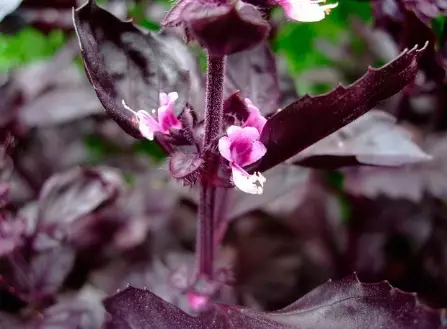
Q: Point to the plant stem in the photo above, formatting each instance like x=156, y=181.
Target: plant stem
x=213, y=126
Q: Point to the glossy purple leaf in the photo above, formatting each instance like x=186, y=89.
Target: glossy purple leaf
x=373, y=139
x=345, y=304
x=68, y=196
x=124, y=63
x=253, y=73
x=310, y=119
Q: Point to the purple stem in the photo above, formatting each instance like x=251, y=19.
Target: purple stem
x=213, y=126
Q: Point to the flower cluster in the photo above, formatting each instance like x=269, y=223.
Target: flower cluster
x=241, y=147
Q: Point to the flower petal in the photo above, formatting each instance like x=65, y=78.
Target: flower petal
x=236, y=133
x=258, y=150
x=163, y=99
x=147, y=124
x=306, y=10
x=224, y=148
x=251, y=184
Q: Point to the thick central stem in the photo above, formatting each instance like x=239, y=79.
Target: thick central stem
x=213, y=126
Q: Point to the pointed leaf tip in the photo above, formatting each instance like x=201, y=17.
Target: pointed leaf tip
x=312, y=118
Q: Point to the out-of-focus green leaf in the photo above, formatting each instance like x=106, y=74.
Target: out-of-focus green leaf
x=26, y=46
x=137, y=12
x=150, y=149
x=439, y=24
x=297, y=41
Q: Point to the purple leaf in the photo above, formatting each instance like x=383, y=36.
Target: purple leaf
x=124, y=63
x=280, y=180
x=71, y=98
x=41, y=275
x=310, y=119
x=253, y=73
x=75, y=312
x=373, y=139
x=184, y=166
x=68, y=196
x=346, y=304
x=409, y=182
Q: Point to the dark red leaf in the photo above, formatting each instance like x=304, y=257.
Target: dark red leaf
x=310, y=119
x=345, y=304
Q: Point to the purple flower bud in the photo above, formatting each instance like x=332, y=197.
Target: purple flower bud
x=222, y=27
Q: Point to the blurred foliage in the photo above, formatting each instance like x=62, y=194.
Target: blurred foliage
x=297, y=41
x=439, y=25
x=27, y=45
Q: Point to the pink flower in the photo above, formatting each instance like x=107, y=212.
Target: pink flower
x=149, y=125
x=306, y=10
x=255, y=119
x=241, y=147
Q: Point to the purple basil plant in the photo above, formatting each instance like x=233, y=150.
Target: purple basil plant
x=226, y=136
x=235, y=140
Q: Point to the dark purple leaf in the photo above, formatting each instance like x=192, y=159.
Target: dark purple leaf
x=310, y=119
x=73, y=312
x=10, y=321
x=68, y=196
x=253, y=73
x=71, y=98
x=280, y=180
x=124, y=63
x=343, y=304
x=373, y=139
x=222, y=27
x=409, y=182
x=184, y=166
x=42, y=274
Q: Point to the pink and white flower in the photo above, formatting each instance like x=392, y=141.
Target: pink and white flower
x=166, y=119
x=306, y=10
x=241, y=147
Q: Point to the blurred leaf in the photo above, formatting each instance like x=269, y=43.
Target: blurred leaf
x=27, y=45
x=439, y=24
x=150, y=149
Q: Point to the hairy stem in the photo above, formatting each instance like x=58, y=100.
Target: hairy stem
x=213, y=124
